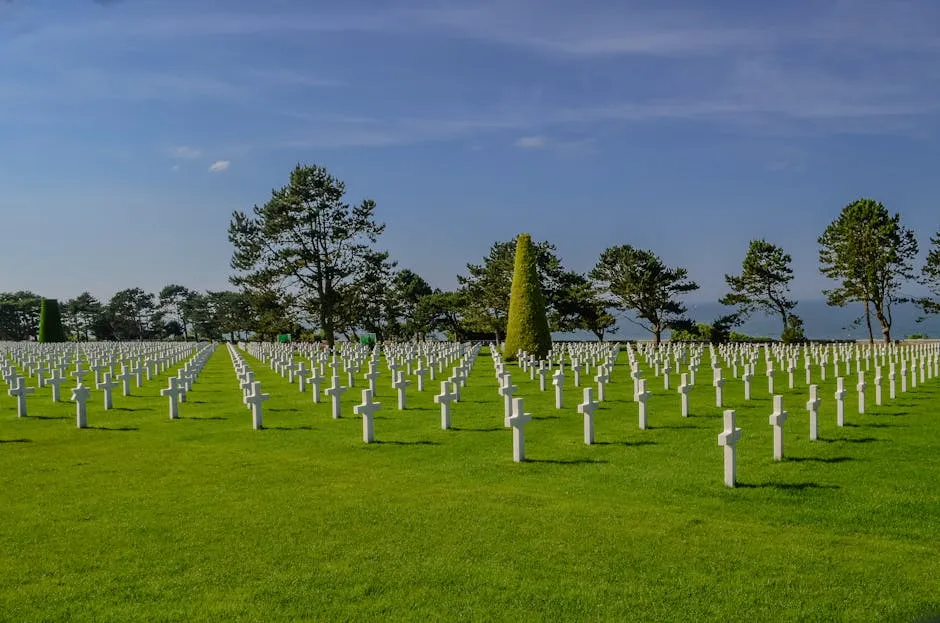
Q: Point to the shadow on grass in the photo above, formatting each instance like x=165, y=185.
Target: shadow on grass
x=116, y=428
x=818, y=459
x=16, y=440
x=406, y=443
x=856, y=440
x=786, y=486
x=479, y=430
x=546, y=417
x=885, y=425
x=282, y=427
x=676, y=427
x=567, y=461
x=629, y=444
x=216, y=417
x=49, y=417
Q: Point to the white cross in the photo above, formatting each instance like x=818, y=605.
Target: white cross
x=401, y=384
x=518, y=421
x=729, y=438
x=301, y=376
x=507, y=390
x=366, y=410
x=777, y=419
x=420, y=371
x=684, y=389
x=256, y=399
x=558, y=380
x=106, y=386
x=315, y=379
x=812, y=406
x=601, y=379
x=860, y=388
x=444, y=399
x=642, y=397
x=173, y=392
x=80, y=395
x=335, y=392
x=20, y=392
x=55, y=381
x=840, y=401
x=588, y=407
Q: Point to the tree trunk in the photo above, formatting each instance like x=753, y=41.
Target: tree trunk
x=885, y=325
x=871, y=335
x=657, y=336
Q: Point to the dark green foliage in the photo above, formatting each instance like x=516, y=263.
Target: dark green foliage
x=306, y=248
x=50, y=322
x=639, y=281
x=793, y=333
x=930, y=277
x=870, y=254
x=578, y=305
x=527, y=328
x=486, y=290
x=764, y=283
x=19, y=315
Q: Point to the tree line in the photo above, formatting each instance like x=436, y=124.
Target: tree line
x=314, y=258
x=307, y=263
x=176, y=312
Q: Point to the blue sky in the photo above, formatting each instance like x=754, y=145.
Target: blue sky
x=130, y=130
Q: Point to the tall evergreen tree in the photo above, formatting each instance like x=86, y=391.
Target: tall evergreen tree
x=527, y=326
x=50, y=322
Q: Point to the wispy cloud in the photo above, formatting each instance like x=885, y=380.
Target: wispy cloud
x=219, y=166
x=532, y=142
x=184, y=151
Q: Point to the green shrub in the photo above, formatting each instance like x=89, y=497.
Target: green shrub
x=527, y=326
x=50, y=322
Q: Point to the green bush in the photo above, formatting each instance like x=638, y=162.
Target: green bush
x=50, y=322
x=527, y=326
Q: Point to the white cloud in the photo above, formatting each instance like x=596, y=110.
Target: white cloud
x=219, y=165
x=186, y=152
x=175, y=167
x=532, y=142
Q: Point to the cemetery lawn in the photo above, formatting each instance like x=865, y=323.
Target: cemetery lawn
x=145, y=519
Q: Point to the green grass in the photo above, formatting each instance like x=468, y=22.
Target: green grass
x=147, y=519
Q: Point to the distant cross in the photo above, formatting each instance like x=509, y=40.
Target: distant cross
x=20, y=392
x=642, y=397
x=335, y=392
x=107, y=385
x=401, y=384
x=812, y=405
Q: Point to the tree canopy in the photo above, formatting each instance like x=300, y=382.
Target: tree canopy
x=870, y=254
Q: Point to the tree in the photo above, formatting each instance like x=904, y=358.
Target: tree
x=930, y=277
x=19, y=315
x=527, y=328
x=84, y=309
x=764, y=283
x=579, y=305
x=640, y=282
x=50, y=322
x=408, y=289
x=307, y=240
x=131, y=313
x=870, y=254
x=172, y=299
x=443, y=311
x=486, y=289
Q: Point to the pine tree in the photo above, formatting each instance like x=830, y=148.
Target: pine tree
x=527, y=325
x=50, y=322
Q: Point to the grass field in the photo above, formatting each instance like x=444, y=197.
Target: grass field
x=146, y=519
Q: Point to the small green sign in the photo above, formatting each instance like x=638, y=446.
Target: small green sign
x=283, y=338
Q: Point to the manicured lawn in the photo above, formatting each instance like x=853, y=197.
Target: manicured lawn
x=147, y=519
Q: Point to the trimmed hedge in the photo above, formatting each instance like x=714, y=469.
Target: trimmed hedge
x=50, y=322
x=527, y=326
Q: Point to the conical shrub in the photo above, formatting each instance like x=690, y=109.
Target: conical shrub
x=527, y=325
x=50, y=322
